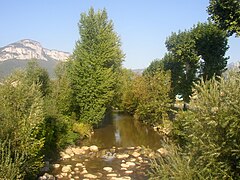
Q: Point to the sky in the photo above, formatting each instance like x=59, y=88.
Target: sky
x=143, y=25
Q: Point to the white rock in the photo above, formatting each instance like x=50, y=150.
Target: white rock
x=64, y=174
x=76, y=169
x=64, y=155
x=122, y=156
x=112, y=175
x=85, y=148
x=129, y=172
x=91, y=176
x=130, y=148
x=162, y=151
x=56, y=166
x=130, y=163
x=124, y=165
x=93, y=148
x=84, y=172
x=78, y=151
x=59, y=176
x=79, y=165
x=108, y=169
x=136, y=154
x=68, y=151
x=66, y=169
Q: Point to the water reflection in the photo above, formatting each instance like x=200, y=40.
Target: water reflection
x=122, y=130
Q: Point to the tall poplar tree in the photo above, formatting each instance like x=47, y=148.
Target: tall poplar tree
x=94, y=66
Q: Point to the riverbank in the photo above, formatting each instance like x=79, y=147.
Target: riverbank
x=92, y=162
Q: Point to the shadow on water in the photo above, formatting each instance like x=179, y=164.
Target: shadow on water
x=122, y=130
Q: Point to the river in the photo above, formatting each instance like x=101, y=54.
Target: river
x=123, y=130
x=125, y=147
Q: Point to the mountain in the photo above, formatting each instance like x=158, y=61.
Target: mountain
x=234, y=65
x=17, y=55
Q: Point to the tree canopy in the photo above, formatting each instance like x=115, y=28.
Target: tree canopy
x=226, y=14
x=94, y=66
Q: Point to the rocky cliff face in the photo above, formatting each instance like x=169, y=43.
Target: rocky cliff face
x=29, y=49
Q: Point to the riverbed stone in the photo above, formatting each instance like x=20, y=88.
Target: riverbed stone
x=129, y=172
x=78, y=151
x=135, y=154
x=131, y=148
x=93, y=148
x=66, y=169
x=108, y=169
x=64, y=174
x=121, y=178
x=91, y=176
x=65, y=156
x=46, y=176
x=79, y=165
x=69, y=151
x=112, y=175
x=130, y=163
x=124, y=165
x=133, y=159
x=76, y=169
x=85, y=148
x=59, y=176
x=122, y=156
x=162, y=151
x=56, y=166
x=84, y=171
x=123, y=168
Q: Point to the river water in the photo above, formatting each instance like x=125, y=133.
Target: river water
x=119, y=135
x=123, y=130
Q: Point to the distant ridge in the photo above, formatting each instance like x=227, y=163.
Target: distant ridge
x=17, y=55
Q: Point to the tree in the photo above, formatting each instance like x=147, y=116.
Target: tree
x=183, y=49
x=153, y=97
x=94, y=66
x=226, y=14
x=211, y=45
x=198, y=52
x=38, y=75
x=168, y=63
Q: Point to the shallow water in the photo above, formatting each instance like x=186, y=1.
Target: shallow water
x=120, y=134
x=122, y=130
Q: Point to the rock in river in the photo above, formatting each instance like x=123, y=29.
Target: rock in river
x=93, y=148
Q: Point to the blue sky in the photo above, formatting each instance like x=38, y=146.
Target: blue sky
x=142, y=25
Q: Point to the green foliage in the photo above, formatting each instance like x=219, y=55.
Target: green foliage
x=94, y=67
x=154, y=101
x=127, y=100
x=210, y=129
x=10, y=162
x=183, y=49
x=147, y=97
x=196, y=53
x=21, y=115
x=84, y=130
x=211, y=45
x=226, y=14
x=174, y=165
x=36, y=74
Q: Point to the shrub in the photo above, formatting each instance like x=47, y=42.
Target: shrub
x=10, y=162
x=174, y=165
x=21, y=116
x=210, y=129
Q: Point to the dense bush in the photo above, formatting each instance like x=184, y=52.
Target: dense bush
x=21, y=116
x=209, y=131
